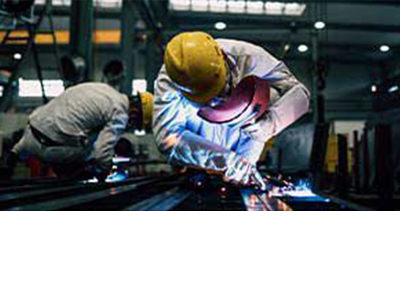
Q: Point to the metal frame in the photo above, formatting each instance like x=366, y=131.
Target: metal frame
x=81, y=33
x=127, y=44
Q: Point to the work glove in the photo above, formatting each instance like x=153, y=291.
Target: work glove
x=282, y=113
x=95, y=170
x=241, y=172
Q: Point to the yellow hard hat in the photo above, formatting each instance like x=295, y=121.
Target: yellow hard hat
x=147, y=102
x=195, y=62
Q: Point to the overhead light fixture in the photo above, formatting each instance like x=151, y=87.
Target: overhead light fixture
x=374, y=88
x=277, y=8
x=302, y=48
x=180, y=4
x=218, y=6
x=255, y=7
x=237, y=7
x=384, y=48
x=286, y=47
x=319, y=25
x=293, y=9
x=393, y=89
x=17, y=56
x=220, y=25
x=199, y=5
x=274, y=8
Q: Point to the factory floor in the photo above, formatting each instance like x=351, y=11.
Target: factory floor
x=170, y=192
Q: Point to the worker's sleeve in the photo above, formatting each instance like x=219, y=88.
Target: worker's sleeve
x=103, y=148
x=286, y=106
x=175, y=141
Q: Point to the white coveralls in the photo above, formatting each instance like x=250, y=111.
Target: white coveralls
x=69, y=119
x=187, y=139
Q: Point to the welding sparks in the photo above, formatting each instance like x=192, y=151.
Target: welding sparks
x=295, y=190
x=299, y=193
x=116, y=177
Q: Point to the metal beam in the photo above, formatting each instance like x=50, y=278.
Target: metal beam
x=314, y=90
x=189, y=20
x=151, y=60
x=81, y=33
x=127, y=44
x=147, y=14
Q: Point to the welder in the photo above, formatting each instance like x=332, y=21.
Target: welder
x=217, y=101
x=76, y=132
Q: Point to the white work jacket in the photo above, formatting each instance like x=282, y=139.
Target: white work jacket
x=187, y=139
x=83, y=110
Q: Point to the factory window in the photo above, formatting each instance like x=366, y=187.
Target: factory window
x=181, y=4
x=98, y=3
x=54, y=2
x=138, y=86
x=239, y=7
x=32, y=88
x=108, y=3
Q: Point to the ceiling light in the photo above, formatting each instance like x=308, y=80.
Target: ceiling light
x=286, y=47
x=302, y=48
x=294, y=9
x=319, y=25
x=255, y=7
x=393, y=89
x=374, y=88
x=277, y=8
x=218, y=6
x=220, y=25
x=274, y=8
x=237, y=7
x=199, y=5
x=180, y=4
x=17, y=56
x=384, y=48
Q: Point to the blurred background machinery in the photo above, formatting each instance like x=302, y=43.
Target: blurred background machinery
x=346, y=149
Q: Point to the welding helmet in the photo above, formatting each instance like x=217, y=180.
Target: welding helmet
x=147, y=104
x=141, y=111
x=248, y=101
x=196, y=64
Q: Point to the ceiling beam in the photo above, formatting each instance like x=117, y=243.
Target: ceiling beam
x=146, y=13
x=237, y=21
x=100, y=12
x=351, y=2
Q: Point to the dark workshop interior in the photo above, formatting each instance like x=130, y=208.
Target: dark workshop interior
x=341, y=153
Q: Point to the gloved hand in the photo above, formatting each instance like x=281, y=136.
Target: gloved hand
x=95, y=170
x=263, y=129
x=241, y=172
